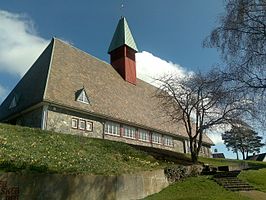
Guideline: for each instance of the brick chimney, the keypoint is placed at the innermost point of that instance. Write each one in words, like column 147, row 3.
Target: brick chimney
column 122, row 52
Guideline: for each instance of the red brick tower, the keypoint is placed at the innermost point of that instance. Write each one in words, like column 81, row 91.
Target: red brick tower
column 122, row 52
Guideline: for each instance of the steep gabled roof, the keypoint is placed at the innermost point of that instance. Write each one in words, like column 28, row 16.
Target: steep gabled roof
column 122, row 36
column 62, row 70
column 259, row 157
column 109, row 94
column 30, row 89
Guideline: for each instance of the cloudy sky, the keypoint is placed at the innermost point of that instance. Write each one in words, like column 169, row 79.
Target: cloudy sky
column 168, row 33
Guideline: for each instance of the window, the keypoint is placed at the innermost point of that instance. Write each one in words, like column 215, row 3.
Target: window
column 144, row 135
column 82, row 124
column 129, row 132
column 112, row 128
column 74, row 123
column 168, row 141
column 156, row 138
column 89, row 126
column 13, row 103
column 187, row 146
column 82, row 97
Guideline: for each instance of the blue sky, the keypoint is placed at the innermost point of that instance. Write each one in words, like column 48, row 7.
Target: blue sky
column 169, row 33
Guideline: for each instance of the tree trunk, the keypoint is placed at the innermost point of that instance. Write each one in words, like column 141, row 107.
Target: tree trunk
column 194, row 156
column 237, row 157
column 243, row 154
column 193, row 151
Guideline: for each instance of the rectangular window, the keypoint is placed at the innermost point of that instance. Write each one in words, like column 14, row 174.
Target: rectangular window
column 82, row 124
column 129, row 132
column 112, row 128
column 144, row 135
column 89, row 126
column 168, row 141
column 74, row 123
column 156, row 138
column 187, row 146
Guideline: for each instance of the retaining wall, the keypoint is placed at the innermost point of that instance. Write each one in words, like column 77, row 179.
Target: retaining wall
column 81, row 187
column 37, row 186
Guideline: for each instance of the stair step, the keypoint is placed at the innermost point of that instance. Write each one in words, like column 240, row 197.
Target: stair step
column 229, row 181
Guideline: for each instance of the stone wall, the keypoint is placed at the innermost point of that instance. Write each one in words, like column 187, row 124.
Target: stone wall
column 178, row 145
column 91, row 187
column 59, row 120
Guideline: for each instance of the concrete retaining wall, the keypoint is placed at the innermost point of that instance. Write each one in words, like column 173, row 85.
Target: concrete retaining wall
column 76, row 187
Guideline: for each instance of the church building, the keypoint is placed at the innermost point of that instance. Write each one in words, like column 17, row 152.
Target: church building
column 69, row 91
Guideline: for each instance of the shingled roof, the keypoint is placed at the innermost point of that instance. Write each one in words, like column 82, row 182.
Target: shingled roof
column 62, row 70
column 259, row 157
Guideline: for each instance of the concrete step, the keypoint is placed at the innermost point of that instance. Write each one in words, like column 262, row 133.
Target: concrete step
column 227, row 174
column 233, row 184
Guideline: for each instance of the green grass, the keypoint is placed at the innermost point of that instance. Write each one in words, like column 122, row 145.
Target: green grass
column 257, row 178
column 196, row 188
column 30, row 149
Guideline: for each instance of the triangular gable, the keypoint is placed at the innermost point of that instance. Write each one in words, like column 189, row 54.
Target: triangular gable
column 82, row 96
column 14, row 101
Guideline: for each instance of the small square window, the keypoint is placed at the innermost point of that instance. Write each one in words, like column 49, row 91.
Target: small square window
column 89, row 126
column 74, row 123
column 82, row 124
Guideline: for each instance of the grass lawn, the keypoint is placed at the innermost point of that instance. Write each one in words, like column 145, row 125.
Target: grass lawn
column 257, row 178
column 30, row 149
column 196, row 188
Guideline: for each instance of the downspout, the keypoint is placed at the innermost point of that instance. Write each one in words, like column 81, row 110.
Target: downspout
column 44, row 117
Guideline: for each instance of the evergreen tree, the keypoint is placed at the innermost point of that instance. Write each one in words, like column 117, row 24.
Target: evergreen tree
column 242, row 139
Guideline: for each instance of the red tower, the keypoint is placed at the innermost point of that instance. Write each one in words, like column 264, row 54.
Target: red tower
column 122, row 52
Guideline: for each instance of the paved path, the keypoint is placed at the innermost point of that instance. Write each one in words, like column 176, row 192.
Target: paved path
column 254, row 194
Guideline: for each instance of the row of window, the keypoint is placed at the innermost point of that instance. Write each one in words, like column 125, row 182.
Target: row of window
column 113, row 128
column 82, row 124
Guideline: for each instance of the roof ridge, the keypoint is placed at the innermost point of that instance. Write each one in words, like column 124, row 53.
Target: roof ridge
column 49, row 68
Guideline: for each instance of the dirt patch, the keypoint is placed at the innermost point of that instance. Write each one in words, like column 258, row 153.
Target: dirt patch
column 254, row 194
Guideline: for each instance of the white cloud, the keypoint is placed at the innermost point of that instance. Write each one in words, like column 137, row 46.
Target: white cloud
column 216, row 138
column 215, row 133
column 19, row 43
column 3, row 93
column 150, row 67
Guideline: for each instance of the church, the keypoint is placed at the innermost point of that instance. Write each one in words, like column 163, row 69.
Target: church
column 69, row 91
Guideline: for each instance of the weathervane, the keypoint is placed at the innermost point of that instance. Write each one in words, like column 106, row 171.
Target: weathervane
column 122, row 5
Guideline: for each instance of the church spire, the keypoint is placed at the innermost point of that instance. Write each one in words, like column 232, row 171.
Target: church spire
column 122, row 52
column 122, row 36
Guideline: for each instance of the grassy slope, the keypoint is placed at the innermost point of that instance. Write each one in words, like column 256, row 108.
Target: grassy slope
column 196, row 188
column 33, row 149
column 257, row 178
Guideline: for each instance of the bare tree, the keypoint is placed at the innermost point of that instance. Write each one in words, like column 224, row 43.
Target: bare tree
column 241, row 38
column 200, row 102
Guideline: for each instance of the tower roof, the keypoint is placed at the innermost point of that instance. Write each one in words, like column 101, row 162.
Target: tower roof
column 122, row 36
